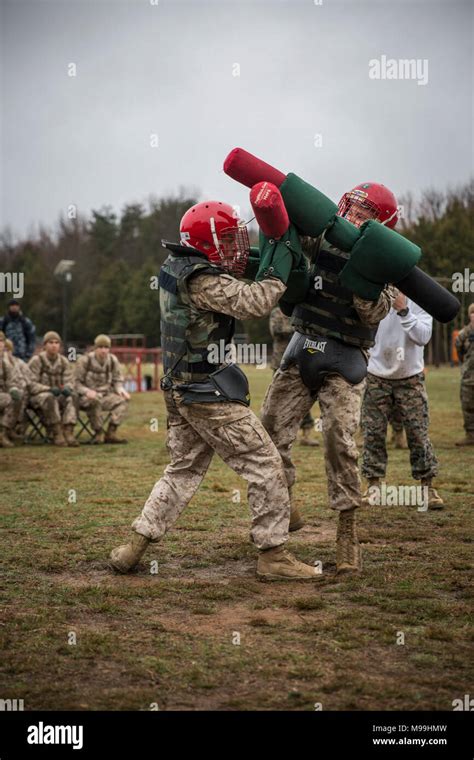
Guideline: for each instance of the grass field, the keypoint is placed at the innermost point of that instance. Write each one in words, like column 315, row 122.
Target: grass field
column 169, row 639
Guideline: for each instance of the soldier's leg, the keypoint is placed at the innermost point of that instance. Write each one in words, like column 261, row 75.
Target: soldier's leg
column 48, row 409
column 467, row 405
column 412, row 401
column 286, row 403
column 6, row 420
column 376, row 407
column 93, row 409
column 239, row 438
column 340, row 404
column 190, row 457
column 117, row 406
column 69, row 419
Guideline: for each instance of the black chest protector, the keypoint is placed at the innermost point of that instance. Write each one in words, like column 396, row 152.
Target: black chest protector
column 328, row 308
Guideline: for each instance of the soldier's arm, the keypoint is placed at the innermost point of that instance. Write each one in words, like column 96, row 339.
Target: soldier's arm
column 418, row 325
column 117, row 377
column 226, row 295
column 34, row 365
column 372, row 312
column 68, row 377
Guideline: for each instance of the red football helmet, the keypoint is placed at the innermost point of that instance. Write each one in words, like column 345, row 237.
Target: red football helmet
column 369, row 200
column 213, row 228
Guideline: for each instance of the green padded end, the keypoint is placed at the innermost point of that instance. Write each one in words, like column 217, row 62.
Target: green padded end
column 352, row 280
column 342, row 234
column 309, row 209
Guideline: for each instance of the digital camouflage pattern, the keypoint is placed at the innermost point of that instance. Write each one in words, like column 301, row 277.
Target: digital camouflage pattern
column 286, row 403
column 408, row 396
column 465, row 349
column 106, row 378
column 195, row 433
column 47, row 373
column 9, row 407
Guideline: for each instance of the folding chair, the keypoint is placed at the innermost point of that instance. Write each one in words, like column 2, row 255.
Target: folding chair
column 35, row 429
column 84, row 427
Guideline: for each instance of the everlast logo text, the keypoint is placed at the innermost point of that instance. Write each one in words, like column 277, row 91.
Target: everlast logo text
column 315, row 345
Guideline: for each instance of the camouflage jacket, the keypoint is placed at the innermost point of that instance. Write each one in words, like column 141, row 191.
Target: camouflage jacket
column 103, row 377
column 46, row 373
column 465, row 349
column 8, row 378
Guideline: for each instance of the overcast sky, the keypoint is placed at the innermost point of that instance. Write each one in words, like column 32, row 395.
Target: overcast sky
column 168, row 68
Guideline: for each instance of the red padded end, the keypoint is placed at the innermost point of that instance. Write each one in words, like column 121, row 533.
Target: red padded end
column 269, row 209
column 248, row 169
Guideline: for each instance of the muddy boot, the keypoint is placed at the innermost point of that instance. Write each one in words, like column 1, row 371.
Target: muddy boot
column 111, row 435
column 306, row 439
column 5, row 440
column 348, row 551
column 125, row 557
column 399, row 440
column 434, row 499
column 467, row 441
column 370, row 496
column 68, row 431
column 57, row 435
column 278, row 564
column 296, row 521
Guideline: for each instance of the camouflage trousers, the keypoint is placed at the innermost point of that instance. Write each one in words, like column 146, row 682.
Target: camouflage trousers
column 467, row 405
column 408, row 396
column 96, row 409
column 54, row 410
column 286, row 403
column 9, row 410
column 231, row 430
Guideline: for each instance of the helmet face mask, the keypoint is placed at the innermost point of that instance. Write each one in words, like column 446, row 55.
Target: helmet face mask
column 369, row 201
column 213, row 229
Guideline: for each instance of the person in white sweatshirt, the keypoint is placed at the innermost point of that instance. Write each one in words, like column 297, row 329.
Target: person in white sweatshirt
column 396, row 382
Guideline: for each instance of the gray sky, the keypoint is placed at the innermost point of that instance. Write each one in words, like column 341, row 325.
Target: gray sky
column 167, row 69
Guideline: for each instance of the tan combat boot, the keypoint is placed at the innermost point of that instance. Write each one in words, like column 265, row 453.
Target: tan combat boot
column 278, row 564
column 296, row 521
column 68, row 431
column 5, row 440
column 125, row 557
column 306, row 439
column 57, row 435
column 370, row 495
column 111, row 435
column 434, row 499
column 467, row 441
column 348, row 551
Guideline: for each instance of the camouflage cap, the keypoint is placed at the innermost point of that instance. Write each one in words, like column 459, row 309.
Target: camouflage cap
column 102, row 341
column 9, row 344
column 51, row 335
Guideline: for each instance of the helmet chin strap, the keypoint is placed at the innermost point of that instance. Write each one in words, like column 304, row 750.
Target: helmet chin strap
column 214, row 235
column 397, row 210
